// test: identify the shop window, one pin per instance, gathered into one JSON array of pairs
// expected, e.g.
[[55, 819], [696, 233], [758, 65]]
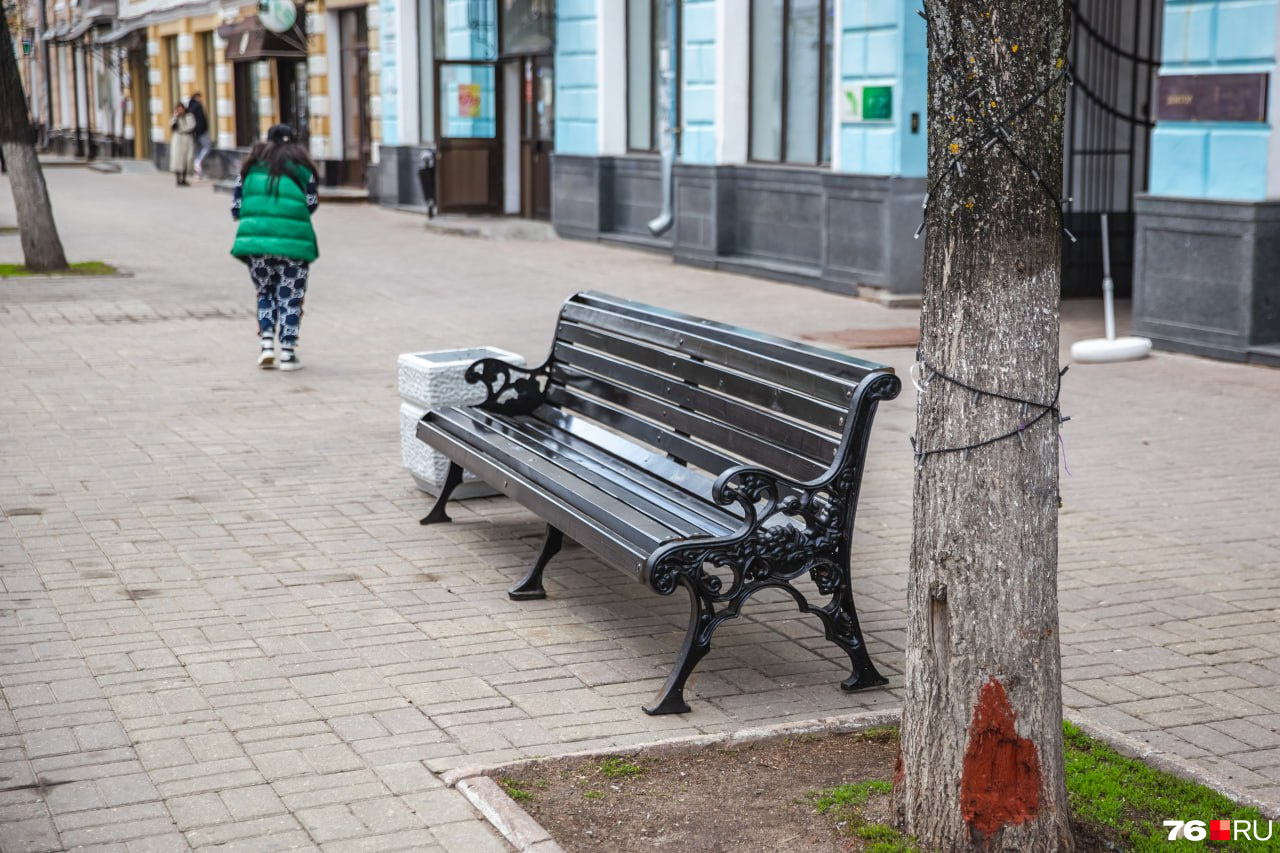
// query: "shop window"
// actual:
[[791, 48], [247, 119], [172, 65], [210, 90]]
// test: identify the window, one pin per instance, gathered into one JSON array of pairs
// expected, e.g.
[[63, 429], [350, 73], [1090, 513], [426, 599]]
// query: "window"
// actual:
[[171, 73], [246, 82], [426, 72], [790, 88], [210, 90], [528, 26], [645, 41]]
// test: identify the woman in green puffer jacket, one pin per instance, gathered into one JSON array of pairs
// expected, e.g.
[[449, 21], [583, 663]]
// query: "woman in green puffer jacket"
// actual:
[[274, 198]]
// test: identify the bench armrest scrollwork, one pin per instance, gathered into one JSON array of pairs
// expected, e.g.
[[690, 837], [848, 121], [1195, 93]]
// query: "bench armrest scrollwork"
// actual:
[[511, 390]]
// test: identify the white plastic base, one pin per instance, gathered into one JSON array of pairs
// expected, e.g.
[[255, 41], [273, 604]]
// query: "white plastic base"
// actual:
[[1101, 349]]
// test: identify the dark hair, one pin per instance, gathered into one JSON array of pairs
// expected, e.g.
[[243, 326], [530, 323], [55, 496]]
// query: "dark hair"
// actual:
[[281, 154]]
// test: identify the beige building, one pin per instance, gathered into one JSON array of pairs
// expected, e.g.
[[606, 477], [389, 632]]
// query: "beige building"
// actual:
[[103, 79]]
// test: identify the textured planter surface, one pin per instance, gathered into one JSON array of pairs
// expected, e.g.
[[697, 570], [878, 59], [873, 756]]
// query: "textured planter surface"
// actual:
[[434, 380]]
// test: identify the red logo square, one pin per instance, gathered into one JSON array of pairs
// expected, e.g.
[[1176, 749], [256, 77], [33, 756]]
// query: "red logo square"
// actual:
[[1219, 830]]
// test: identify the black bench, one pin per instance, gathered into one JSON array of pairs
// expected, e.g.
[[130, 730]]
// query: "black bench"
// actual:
[[683, 452]]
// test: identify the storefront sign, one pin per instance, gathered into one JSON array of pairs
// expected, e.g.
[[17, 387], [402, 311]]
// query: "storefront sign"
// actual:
[[1212, 97], [468, 100], [861, 102]]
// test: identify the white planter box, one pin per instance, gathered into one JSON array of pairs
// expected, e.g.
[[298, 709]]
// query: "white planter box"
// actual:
[[433, 380]]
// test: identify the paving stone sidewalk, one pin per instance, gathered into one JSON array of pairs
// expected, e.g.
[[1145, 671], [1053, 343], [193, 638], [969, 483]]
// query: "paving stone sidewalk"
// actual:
[[220, 623]]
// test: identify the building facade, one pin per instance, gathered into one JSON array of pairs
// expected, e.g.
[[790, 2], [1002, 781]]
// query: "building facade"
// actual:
[[800, 128]]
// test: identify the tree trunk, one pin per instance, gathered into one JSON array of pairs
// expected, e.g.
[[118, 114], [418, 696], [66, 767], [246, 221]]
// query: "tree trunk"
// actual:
[[41, 248], [981, 764]]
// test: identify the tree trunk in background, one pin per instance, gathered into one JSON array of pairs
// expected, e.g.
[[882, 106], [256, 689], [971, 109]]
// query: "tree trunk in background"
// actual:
[[982, 764], [41, 248]]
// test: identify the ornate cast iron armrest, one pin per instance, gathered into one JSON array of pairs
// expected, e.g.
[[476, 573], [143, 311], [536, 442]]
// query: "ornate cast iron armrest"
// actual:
[[512, 390]]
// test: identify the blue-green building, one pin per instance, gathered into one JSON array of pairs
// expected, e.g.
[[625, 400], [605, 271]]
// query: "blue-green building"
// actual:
[[802, 149]]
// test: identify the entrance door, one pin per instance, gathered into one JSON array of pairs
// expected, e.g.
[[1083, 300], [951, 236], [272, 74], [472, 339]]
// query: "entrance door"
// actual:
[[469, 168], [1115, 56], [537, 136]]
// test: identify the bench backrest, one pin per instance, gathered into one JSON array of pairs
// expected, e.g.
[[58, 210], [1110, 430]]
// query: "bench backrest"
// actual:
[[709, 394]]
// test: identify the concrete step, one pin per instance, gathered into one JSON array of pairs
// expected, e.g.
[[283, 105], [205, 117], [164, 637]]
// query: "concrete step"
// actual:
[[491, 227]]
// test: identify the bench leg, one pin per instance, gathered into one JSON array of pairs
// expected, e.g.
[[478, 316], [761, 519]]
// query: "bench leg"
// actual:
[[841, 623], [452, 480], [697, 642], [531, 587]]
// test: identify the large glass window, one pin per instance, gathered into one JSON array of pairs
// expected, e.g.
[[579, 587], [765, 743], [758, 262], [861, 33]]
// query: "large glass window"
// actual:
[[210, 92], [171, 73], [426, 71], [791, 44], [246, 86], [528, 26], [466, 30], [646, 38]]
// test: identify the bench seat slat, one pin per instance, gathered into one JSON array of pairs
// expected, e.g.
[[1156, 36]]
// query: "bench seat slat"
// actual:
[[588, 528], [706, 458], [680, 511], [587, 371], [623, 448], [692, 505], [704, 374], [700, 429], [633, 515]]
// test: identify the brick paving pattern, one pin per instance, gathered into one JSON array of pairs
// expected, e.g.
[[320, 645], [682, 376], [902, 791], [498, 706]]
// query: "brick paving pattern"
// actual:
[[221, 625]]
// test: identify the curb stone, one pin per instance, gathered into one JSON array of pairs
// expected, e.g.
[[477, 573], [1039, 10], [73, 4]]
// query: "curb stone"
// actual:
[[528, 836]]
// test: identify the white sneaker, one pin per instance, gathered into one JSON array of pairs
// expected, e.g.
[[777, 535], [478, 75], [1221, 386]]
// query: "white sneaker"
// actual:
[[289, 360], [267, 358]]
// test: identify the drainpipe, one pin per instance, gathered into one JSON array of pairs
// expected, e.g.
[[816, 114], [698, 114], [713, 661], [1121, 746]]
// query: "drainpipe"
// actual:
[[45, 72], [75, 96], [667, 114]]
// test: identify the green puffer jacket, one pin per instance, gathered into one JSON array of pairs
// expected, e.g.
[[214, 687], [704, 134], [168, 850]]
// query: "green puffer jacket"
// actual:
[[274, 219]]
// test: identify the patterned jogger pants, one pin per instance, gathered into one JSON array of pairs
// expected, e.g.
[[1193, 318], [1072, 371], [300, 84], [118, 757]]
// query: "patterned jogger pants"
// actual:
[[282, 286]]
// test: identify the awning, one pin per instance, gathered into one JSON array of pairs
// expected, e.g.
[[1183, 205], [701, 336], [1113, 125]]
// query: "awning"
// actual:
[[54, 32], [80, 28], [121, 31], [250, 45]]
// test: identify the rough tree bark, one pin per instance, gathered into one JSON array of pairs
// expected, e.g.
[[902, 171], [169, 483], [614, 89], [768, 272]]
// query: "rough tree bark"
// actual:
[[981, 764], [41, 247]]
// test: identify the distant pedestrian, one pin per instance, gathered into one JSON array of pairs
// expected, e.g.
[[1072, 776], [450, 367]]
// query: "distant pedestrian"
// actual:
[[181, 146], [195, 106], [273, 200]]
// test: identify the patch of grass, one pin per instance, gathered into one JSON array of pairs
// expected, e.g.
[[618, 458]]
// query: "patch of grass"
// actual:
[[883, 838], [619, 768], [1133, 800], [845, 796], [81, 268], [593, 795], [843, 806], [880, 734], [514, 791]]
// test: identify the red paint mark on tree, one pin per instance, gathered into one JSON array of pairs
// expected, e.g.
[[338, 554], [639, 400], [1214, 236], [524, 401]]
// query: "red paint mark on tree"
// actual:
[[1000, 782]]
